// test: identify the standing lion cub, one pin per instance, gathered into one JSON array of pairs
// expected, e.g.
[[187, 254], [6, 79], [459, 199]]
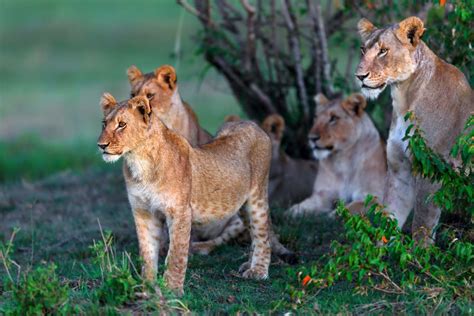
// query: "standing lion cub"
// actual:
[[166, 177], [351, 156]]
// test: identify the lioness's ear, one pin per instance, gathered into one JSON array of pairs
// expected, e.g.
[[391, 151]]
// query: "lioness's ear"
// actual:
[[365, 28], [355, 104], [166, 76], [274, 125], [410, 30], [232, 118], [107, 102], [143, 105], [321, 101], [134, 74]]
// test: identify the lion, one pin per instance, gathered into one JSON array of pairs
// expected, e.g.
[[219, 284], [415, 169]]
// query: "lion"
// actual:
[[168, 178], [351, 156], [436, 92], [161, 89], [291, 180]]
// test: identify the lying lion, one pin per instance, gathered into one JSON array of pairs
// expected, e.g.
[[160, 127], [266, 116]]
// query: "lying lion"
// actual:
[[291, 179], [167, 178], [351, 156], [436, 92]]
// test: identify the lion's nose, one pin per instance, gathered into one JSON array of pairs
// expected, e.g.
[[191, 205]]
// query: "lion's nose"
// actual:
[[103, 146], [362, 76], [314, 137]]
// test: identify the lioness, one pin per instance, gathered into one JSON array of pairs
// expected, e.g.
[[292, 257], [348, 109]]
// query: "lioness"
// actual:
[[161, 89], [435, 91], [291, 180], [351, 156], [166, 177]]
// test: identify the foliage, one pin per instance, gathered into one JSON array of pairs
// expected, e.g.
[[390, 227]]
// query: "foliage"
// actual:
[[456, 193], [376, 255], [118, 282]]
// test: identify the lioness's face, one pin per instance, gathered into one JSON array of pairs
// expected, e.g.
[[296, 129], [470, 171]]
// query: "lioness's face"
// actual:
[[335, 125], [158, 87], [387, 54], [124, 126]]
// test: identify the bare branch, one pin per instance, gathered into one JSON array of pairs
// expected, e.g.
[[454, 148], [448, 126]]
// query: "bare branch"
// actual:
[[296, 52], [193, 10]]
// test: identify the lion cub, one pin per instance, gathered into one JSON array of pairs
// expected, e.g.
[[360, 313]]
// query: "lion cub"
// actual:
[[351, 156], [167, 178], [291, 180]]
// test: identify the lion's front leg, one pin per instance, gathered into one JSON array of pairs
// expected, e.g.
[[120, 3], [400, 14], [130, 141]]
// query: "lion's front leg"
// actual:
[[399, 194], [179, 227], [319, 202], [149, 229]]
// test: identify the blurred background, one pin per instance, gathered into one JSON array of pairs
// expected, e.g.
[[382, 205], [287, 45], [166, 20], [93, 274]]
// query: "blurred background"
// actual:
[[56, 59]]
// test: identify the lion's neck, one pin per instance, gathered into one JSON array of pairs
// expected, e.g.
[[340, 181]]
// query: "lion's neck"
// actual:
[[151, 158], [176, 118], [405, 91]]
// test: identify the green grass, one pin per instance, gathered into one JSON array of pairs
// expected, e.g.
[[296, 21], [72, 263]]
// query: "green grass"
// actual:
[[59, 220]]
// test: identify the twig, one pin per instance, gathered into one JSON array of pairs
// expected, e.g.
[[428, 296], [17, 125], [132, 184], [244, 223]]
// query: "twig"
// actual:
[[193, 10]]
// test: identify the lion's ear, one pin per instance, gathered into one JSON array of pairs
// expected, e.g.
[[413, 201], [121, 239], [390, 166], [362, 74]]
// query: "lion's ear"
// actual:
[[410, 30], [166, 76], [107, 102], [274, 125], [321, 101], [142, 105], [134, 74], [355, 104], [365, 28]]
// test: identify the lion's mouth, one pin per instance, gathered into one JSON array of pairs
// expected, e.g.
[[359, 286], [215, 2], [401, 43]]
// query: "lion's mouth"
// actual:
[[374, 88], [316, 147]]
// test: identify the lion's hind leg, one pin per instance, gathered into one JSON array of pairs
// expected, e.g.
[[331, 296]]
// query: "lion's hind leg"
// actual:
[[233, 229]]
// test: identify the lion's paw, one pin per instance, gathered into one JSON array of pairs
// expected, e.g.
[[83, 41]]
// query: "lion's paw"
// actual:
[[255, 273]]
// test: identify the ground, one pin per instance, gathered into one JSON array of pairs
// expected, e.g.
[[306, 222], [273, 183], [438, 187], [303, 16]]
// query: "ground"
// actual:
[[59, 219]]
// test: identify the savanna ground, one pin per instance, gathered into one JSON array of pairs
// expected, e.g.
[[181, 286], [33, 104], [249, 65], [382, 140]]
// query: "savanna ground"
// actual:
[[56, 59]]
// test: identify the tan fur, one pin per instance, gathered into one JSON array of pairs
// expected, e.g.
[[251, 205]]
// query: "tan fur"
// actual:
[[351, 156], [161, 88], [435, 91], [291, 180], [167, 177]]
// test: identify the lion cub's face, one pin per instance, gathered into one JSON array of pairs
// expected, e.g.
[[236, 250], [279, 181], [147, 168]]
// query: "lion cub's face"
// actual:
[[158, 87], [387, 54], [124, 126], [336, 125]]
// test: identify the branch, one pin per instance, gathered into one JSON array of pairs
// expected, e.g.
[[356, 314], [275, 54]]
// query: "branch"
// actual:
[[295, 48], [193, 11]]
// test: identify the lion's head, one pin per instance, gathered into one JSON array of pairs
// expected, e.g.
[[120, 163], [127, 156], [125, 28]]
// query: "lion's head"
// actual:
[[388, 54], [124, 126], [158, 87], [337, 124]]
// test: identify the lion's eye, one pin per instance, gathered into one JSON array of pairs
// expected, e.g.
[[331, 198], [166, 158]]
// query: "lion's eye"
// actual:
[[333, 119], [132, 95], [362, 50], [103, 124], [383, 52], [150, 96], [122, 124]]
